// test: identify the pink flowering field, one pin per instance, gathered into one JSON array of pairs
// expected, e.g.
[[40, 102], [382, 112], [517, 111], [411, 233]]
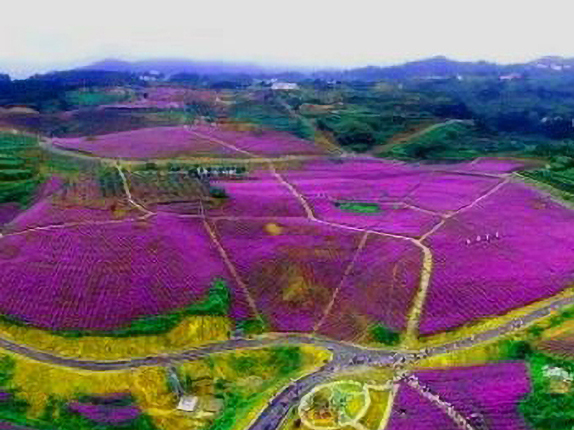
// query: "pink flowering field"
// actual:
[[379, 289], [157, 142], [103, 277], [530, 260], [485, 396], [411, 411], [292, 275], [494, 401]]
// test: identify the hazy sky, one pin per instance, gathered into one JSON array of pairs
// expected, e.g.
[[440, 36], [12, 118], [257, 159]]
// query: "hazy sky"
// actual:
[[37, 35]]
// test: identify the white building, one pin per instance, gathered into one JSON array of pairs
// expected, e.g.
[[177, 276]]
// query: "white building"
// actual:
[[284, 86], [187, 403]]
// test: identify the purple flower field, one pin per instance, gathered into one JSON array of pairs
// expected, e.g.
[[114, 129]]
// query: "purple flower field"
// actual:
[[495, 398], [444, 192], [105, 414], [157, 142], [103, 277], [168, 142], [262, 196], [291, 276], [373, 180], [411, 411], [50, 212], [379, 289], [393, 218], [8, 211], [494, 165], [268, 143], [509, 250], [532, 259]]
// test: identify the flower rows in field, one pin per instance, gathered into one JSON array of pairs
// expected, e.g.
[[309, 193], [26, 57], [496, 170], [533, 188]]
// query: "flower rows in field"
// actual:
[[54, 211], [179, 141], [259, 196], [527, 257], [8, 211], [291, 275], [379, 288], [294, 269], [492, 166], [394, 218], [156, 142], [382, 181], [444, 192], [267, 143], [492, 403], [100, 277], [411, 411]]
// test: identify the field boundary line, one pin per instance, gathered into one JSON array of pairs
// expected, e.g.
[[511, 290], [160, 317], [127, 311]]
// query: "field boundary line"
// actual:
[[465, 208], [419, 300], [231, 267], [426, 263], [294, 192], [348, 269], [75, 224], [128, 192], [220, 142]]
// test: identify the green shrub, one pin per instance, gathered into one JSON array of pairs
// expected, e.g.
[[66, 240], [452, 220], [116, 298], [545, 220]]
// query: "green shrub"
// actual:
[[218, 192], [15, 174], [385, 335]]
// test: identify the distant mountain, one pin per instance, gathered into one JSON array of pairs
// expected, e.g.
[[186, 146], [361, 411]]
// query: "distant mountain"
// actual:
[[173, 66], [433, 67], [554, 63], [429, 68]]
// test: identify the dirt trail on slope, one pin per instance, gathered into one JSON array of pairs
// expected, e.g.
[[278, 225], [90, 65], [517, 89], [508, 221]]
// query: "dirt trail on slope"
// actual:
[[405, 137]]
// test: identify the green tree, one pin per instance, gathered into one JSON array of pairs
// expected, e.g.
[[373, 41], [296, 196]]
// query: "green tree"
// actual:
[[385, 335]]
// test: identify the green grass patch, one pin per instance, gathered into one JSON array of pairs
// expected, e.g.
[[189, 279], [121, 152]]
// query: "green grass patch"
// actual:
[[239, 401], [94, 97], [15, 174], [544, 408], [18, 191], [10, 162], [272, 116], [252, 326], [449, 142], [562, 180], [20, 160], [359, 207], [385, 335]]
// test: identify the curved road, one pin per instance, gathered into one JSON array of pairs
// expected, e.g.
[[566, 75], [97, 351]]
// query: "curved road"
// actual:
[[344, 356]]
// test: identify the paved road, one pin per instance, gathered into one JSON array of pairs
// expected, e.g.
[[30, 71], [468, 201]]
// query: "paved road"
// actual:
[[344, 356]]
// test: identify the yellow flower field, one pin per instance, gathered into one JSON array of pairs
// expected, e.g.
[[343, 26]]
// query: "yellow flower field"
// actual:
[[191, 332]]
